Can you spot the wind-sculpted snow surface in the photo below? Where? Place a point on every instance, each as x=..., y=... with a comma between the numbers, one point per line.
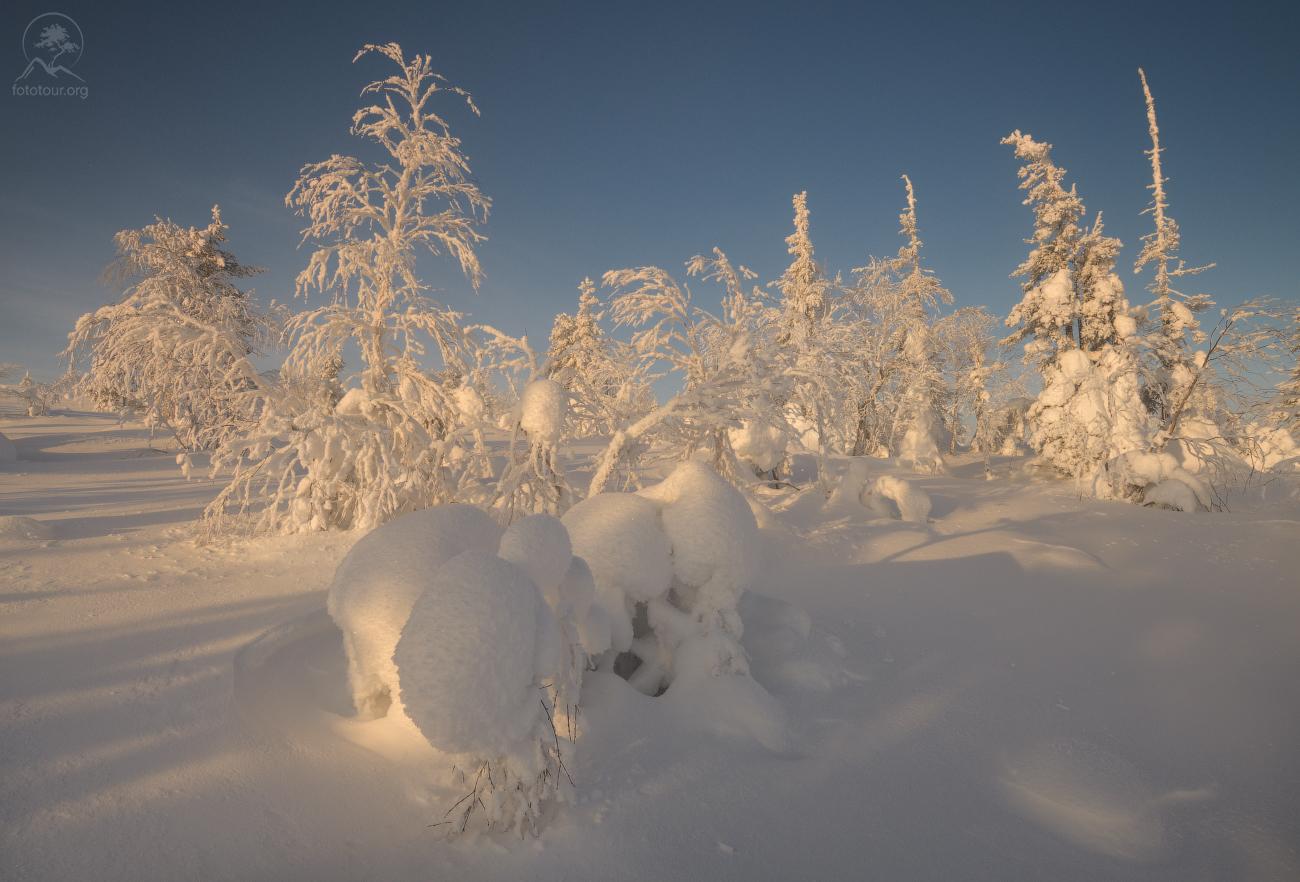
x=18, y=527
x=8, y=452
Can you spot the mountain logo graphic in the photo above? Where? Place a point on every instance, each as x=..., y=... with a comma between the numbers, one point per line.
x=52, y=45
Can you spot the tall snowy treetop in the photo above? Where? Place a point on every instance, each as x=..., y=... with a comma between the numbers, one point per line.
x=347, y=200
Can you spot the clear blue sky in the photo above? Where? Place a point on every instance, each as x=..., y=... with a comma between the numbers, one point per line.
x=619, y=134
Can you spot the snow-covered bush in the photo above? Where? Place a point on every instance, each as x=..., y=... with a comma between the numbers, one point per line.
x=619, y=536
x=912, y=502
x=670, y=564
x=393, y=447
x=376, y=584
x=761, y=444
x=175, y=349
x=535, y=482
x=478, y=662
x=1152, y=478
x=35, y=396
x=475, y=636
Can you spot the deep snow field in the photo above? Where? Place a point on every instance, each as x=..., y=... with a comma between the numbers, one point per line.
x=1028, y=686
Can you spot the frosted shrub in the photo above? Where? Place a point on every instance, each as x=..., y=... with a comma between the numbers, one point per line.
x=670, y=565
x=476, y=636
x=35, y=396
x=534, y=482
x=729, y=376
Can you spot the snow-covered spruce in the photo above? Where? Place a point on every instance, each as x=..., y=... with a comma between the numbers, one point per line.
x=888, y=496
x=760, y=443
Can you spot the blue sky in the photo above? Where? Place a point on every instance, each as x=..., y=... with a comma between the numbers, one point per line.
x=619, y=134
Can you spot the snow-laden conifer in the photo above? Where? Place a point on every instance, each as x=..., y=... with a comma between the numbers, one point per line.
x=1175, y=309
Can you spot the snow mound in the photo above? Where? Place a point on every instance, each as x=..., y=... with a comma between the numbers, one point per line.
x=8, y=452
x=539, y=545
x=759, y=443
x=378, y=582
x=619, y=536
x=18, y=527
x=713, y=535
x=1171, y=494
x=468, y=656
x=848, y=493
x=541, y=412
x=727, y=703
x=913, y=502
x=1145, y=477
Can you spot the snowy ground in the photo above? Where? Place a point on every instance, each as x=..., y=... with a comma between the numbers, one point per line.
x=1029, y=686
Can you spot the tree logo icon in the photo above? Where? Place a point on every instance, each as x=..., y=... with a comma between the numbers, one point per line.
x=52, y=43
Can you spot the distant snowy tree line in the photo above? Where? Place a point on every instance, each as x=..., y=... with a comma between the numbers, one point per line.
x=872, y=364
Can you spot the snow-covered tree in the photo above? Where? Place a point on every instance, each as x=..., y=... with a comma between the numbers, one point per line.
x=963, y=343
x=35, y=396
x=895, y=380
x=1175, y=309
x=726, y=379
x=1288, y=414
x=175, y=348
x=1079, y=327
x=805, y=291
x=605, y=379
x=919, y=291
x=807, y=340
x=577, y=342
x=1048, y=310
x=389, y=445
